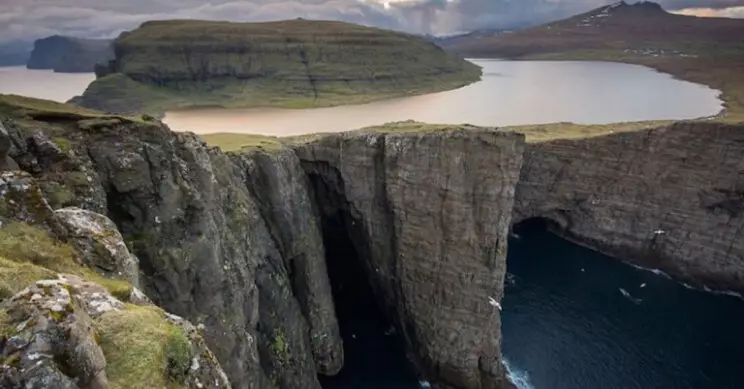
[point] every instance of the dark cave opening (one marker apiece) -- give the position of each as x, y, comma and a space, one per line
374, 354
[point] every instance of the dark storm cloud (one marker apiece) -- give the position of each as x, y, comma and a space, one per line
105, 18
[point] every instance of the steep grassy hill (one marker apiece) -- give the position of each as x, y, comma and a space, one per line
69, 55
704, 50
295, 63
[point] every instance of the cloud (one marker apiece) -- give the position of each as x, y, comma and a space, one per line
30, 19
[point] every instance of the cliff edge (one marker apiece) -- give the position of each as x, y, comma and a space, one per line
69, 55
234, 243
294, 63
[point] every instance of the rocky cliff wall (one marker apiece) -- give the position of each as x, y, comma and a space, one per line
233, 242
670, 198
69, 55
428, 215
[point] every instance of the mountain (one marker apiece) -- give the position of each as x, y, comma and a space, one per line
293, 63
642, 27
69, 55
704, 50
457, 39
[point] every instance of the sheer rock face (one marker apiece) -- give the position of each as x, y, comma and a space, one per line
205, 247
69, 55
281, 189
428, 215
232, 242
671, 198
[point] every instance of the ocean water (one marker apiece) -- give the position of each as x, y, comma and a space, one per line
573, 319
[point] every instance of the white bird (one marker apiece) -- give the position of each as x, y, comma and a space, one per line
659, 232
643, 285
494, 303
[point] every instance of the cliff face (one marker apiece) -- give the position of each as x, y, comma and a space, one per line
234, 243
671, 198
69, 55
293, 63
428, 220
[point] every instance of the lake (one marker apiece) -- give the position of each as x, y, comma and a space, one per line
43, 84
511, 93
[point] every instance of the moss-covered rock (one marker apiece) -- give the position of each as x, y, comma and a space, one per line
100, 243
76, 334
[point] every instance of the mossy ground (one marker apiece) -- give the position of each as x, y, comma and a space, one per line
228, 141
142, 349
29, 253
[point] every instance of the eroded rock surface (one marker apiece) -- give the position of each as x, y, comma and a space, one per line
100, 242
671, 198
428, 215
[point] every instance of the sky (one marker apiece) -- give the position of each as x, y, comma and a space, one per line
32, 19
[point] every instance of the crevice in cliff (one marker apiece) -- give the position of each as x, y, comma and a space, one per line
374, 353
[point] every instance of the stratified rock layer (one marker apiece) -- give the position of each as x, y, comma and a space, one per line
428, 214
293, 63
671, 198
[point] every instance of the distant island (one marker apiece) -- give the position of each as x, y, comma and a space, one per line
703, 50
297, 63
69, 55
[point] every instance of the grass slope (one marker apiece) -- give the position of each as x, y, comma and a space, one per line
290, 64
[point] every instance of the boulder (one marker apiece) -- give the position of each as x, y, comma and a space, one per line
100, 243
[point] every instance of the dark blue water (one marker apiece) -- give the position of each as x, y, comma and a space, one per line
567, 324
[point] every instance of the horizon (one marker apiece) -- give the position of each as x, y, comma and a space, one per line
438, 18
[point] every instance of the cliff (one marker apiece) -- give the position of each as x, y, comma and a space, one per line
295, 64
69, 55
669, 198
235, 243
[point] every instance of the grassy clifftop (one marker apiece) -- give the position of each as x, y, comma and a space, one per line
295, 64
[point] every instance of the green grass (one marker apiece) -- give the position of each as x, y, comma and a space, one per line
29, 252
142, 349
228, 141
547, 132
29, 108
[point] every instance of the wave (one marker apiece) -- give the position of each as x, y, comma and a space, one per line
519, 378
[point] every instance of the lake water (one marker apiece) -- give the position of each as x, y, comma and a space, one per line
511, 93
43, 84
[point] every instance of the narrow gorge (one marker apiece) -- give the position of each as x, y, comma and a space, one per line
238, 243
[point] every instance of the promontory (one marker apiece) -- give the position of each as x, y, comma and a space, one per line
65, 54
292, 64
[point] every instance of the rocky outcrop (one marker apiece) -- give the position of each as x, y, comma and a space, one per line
293, 63
428, 216
58, 329
100, 243
69, 55
670, 198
